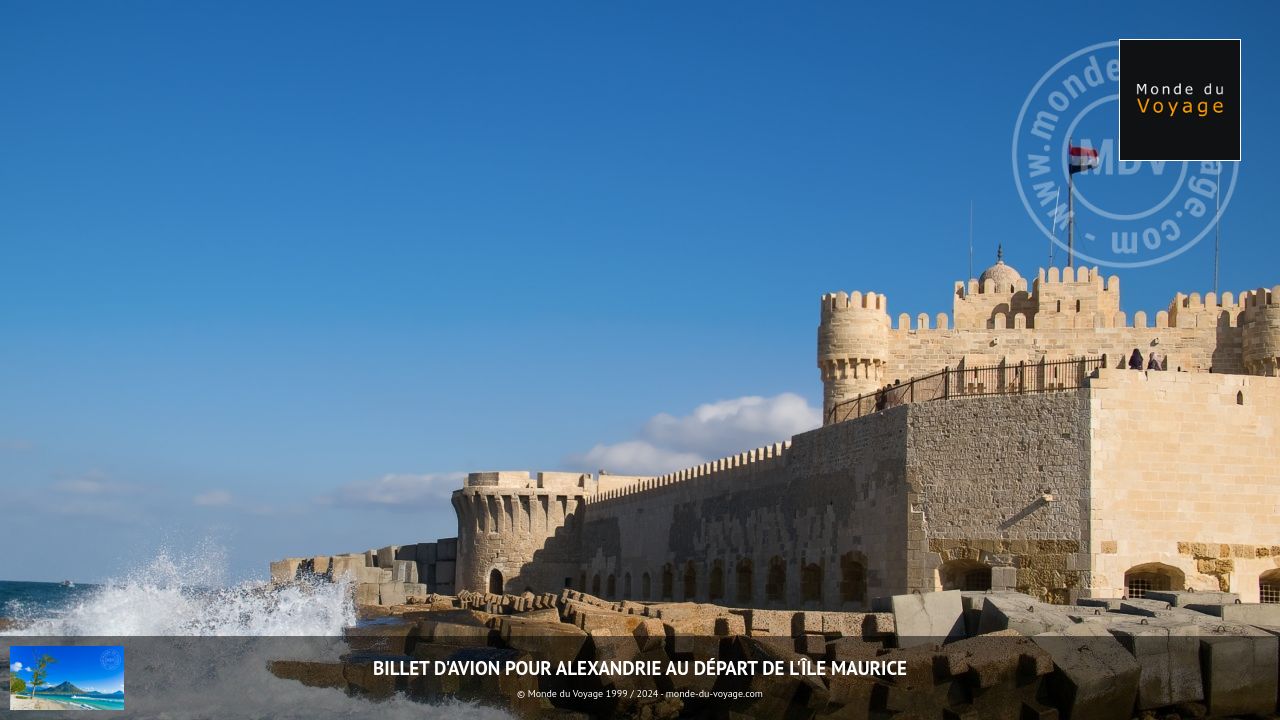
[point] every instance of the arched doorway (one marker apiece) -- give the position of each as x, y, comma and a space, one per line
690, 581
611, 587
775, 586
853, 578
965, 574
1269, 587
811, 582
1140, 579
495, 581
645, 586
715, 590
744, 580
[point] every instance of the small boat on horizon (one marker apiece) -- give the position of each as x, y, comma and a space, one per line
68, 583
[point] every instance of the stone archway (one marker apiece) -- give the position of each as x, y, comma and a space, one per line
965, 574
495, 581
1140, 579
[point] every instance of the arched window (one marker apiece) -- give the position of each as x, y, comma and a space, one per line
1139, 579
744, 573
715, 590
495, 582
853, 578
644, 586
668, 582
611, 587
595, 585
626, 585
775, 586
690, 581
964, 574
1240, 397
1269, 586
811, 582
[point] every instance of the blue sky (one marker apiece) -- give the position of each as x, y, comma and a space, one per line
84, 666
274, 273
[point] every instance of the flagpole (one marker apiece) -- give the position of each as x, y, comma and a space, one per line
1217, 230
1071, 210
1057, 214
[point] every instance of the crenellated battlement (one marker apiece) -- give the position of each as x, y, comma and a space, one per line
1063, 312
759, 458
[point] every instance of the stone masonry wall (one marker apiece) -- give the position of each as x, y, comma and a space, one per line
821, 525
1185, 475
1002, 481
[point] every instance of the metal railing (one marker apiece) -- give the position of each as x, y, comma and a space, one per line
1001, 379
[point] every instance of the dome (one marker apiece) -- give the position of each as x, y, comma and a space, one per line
1003, 275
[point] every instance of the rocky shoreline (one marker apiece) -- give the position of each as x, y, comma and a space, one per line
966, 655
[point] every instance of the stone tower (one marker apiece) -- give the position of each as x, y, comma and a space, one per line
1261, 337
516, 531
853, 345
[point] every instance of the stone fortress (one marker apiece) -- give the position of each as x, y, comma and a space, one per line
1117, 483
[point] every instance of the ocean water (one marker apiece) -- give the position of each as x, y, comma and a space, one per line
194, 645
89, 703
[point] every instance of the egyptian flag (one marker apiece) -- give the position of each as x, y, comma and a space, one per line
1082, 159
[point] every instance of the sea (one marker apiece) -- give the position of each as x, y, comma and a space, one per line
198, 648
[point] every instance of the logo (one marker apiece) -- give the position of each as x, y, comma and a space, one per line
110, 658
1126, 213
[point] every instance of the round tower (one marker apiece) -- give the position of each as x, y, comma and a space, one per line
853, 345
1260, 337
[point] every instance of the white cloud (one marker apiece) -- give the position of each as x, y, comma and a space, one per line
634, 457
94, 483
16, 667
398, 491
213, 498
712, 430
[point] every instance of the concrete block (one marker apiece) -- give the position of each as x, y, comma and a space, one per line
925, 618
348, 567
320, 564
405, 571
387, 555
407, 552
1240, 670
1020, 613
1189, 598
426, 553
444, 572
391, 593
1168, 654
367, 594
285, 570
1094, 678
447, 549
1249, 613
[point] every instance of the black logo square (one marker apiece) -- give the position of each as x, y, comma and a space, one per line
1179, 100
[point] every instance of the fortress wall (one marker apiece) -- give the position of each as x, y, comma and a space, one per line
822, 524
1185, 476
1197, 349
979, 470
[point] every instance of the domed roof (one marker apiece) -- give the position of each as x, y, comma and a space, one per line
1003, 275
